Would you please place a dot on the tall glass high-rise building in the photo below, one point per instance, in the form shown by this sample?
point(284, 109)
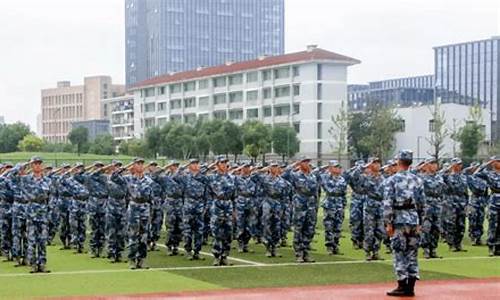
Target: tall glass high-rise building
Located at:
point(164, 36)
point(469, 73)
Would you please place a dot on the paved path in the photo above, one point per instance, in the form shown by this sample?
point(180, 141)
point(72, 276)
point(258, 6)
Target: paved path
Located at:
point(482, 289)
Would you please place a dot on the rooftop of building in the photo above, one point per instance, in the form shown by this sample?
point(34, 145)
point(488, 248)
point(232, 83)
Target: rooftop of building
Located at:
point(311, 54)
point(495, 37)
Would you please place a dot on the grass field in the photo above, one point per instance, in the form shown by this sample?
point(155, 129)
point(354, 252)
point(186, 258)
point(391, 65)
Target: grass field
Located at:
point(59, 157)
point(74, 275)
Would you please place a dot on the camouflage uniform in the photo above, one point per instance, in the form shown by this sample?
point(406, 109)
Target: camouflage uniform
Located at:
point(356, 210)
point(455, 215)
point(156, 210)
point(245, 190)
point(116, 210)
point(6, 201)
point(304, 207)
point(286, 212)
point(192, 211)
point(63, 211)
point(140, 195)
point(97, 184)
point(333, 209)
point(77, 210)
point(431, 224)
point(54, 218)
point(477, 205)
point(256, 226)
point(223, 190)
point(19, 217)
point(403, 204)
point(36, 192)
point(173, 206)
point(493, 179)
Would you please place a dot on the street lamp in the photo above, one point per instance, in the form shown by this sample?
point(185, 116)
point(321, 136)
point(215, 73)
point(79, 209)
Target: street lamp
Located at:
point(418, 146)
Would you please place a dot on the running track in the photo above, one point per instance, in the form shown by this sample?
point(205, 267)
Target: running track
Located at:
point(440, 289)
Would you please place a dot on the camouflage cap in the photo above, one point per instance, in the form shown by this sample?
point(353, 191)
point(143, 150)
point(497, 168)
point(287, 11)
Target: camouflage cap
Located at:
point(274, 164)
point(116, 163)
point(359, 162)
point(456, 161)
point(138, 160)
point(304, 158)
point(36, 159)
point(98, 164)
point(48, 167)
point(172, 163)
point(79, 165)
point(152, 163)
point(65, 166)
point(221, 159)
point(334, 163)
point(474, 164)
point(405, 155)
point(194, 161)
point(391, 162)
point(495, 158)
point(431, 160)
point(8, 165)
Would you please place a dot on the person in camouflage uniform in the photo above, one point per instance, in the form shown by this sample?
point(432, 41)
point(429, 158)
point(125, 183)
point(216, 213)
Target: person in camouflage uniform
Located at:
point(54, 217)
point(477, 204)
point(116, 210)
point(63, 207)
point(490, 172)
point(373, 225)
point(156, 205)
point(387, 171)
point(35, 188)
point(305, 202)
point(434, 187)
point(194, 191)
point(97, 184)
point(245, 190)
point(403, 205)
point(333, 204)
point(140, 195)
point(173, 207)
point(357, 202)
point(256, 225)
point(79, 194)
point(456, 213)
point(6, 201)
point(19, 216)
point(222, 188)
point(285, 210)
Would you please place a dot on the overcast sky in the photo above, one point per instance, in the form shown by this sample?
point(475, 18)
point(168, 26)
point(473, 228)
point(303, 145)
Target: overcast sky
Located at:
point(43, 42)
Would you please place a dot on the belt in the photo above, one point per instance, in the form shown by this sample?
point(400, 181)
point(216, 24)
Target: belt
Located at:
point(139, 201)
point(404, 207)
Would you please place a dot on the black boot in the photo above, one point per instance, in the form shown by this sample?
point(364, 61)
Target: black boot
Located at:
point(400, 290)
point(410, 288)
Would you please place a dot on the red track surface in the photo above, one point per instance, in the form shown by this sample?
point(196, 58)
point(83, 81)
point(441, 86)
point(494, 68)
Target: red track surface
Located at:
point(441, 289)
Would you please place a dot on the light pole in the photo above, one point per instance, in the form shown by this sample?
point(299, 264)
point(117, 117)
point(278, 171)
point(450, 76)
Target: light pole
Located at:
point(57, 110)
point(418, 146)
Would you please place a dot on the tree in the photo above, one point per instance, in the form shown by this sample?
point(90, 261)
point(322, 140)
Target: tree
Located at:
point(30, 143)
point(471, 135)
point(202, 145)
point(137, 147)
point(439, 131)
point(153, 140)
point(232, 138)
point(256, 138)
point(285, 141)
point(123, 148)
point(358, 130)
point(340, 131)
point(79, 137)
point(102, 145)
point(11, 135)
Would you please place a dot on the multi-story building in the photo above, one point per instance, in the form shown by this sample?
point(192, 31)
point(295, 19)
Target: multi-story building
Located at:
point(418, 125)
point(95, 128)
point(399, 92)
point(469, 73)
point(120, 112)
point(164, 36)
point(303, 89)
point(65, 104)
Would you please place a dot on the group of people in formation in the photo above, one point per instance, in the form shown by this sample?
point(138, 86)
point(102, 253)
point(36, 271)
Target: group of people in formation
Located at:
point(395, 204)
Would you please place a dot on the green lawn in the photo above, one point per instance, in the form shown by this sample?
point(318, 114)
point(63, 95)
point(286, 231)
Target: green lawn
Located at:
point(61, 157)
point(80, 275)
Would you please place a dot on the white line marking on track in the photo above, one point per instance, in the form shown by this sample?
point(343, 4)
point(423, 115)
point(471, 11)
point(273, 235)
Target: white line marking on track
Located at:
point(249, 262)
point(166, 269)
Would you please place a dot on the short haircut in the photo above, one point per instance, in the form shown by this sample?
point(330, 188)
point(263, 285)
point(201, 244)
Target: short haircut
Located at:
point(406, 163)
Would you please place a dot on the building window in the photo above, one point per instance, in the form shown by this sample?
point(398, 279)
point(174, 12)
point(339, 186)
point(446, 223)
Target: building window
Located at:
point(282, 73)
point(220, 115)
point(176, 118)
point(219, 82)
point(319, 91)
point(266, 75)
point(267, 93)
point(252, 113)
point(432, 125)
point(149, 92)
point(236, 114)
point(203, 84)
point(282, 110)
point(296, 89)
point(320, 72)
point(149, 107)
point(189, 86)
point(236, 79)
point(190, 119)
point(189, 102)
point(282, 91)
point(320, 111)
point(162, 106)
point(296, 108)
point(175, 104)
point(268, 112)
point(148, 123)
point(161, 90)
point(203, 117)
point(296, 71)
point(296, 126)
point(320, 130)
point(161, 121)
point(175, 88)
point(203, 101)
point(252, 95)
point(401, 126)
point(235, 97)
point(252, 76)
point(219, 99)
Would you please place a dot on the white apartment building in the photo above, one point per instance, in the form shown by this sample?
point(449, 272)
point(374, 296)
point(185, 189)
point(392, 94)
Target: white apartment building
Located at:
point(120, 113)
point(418, 125)
point(303, 89)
